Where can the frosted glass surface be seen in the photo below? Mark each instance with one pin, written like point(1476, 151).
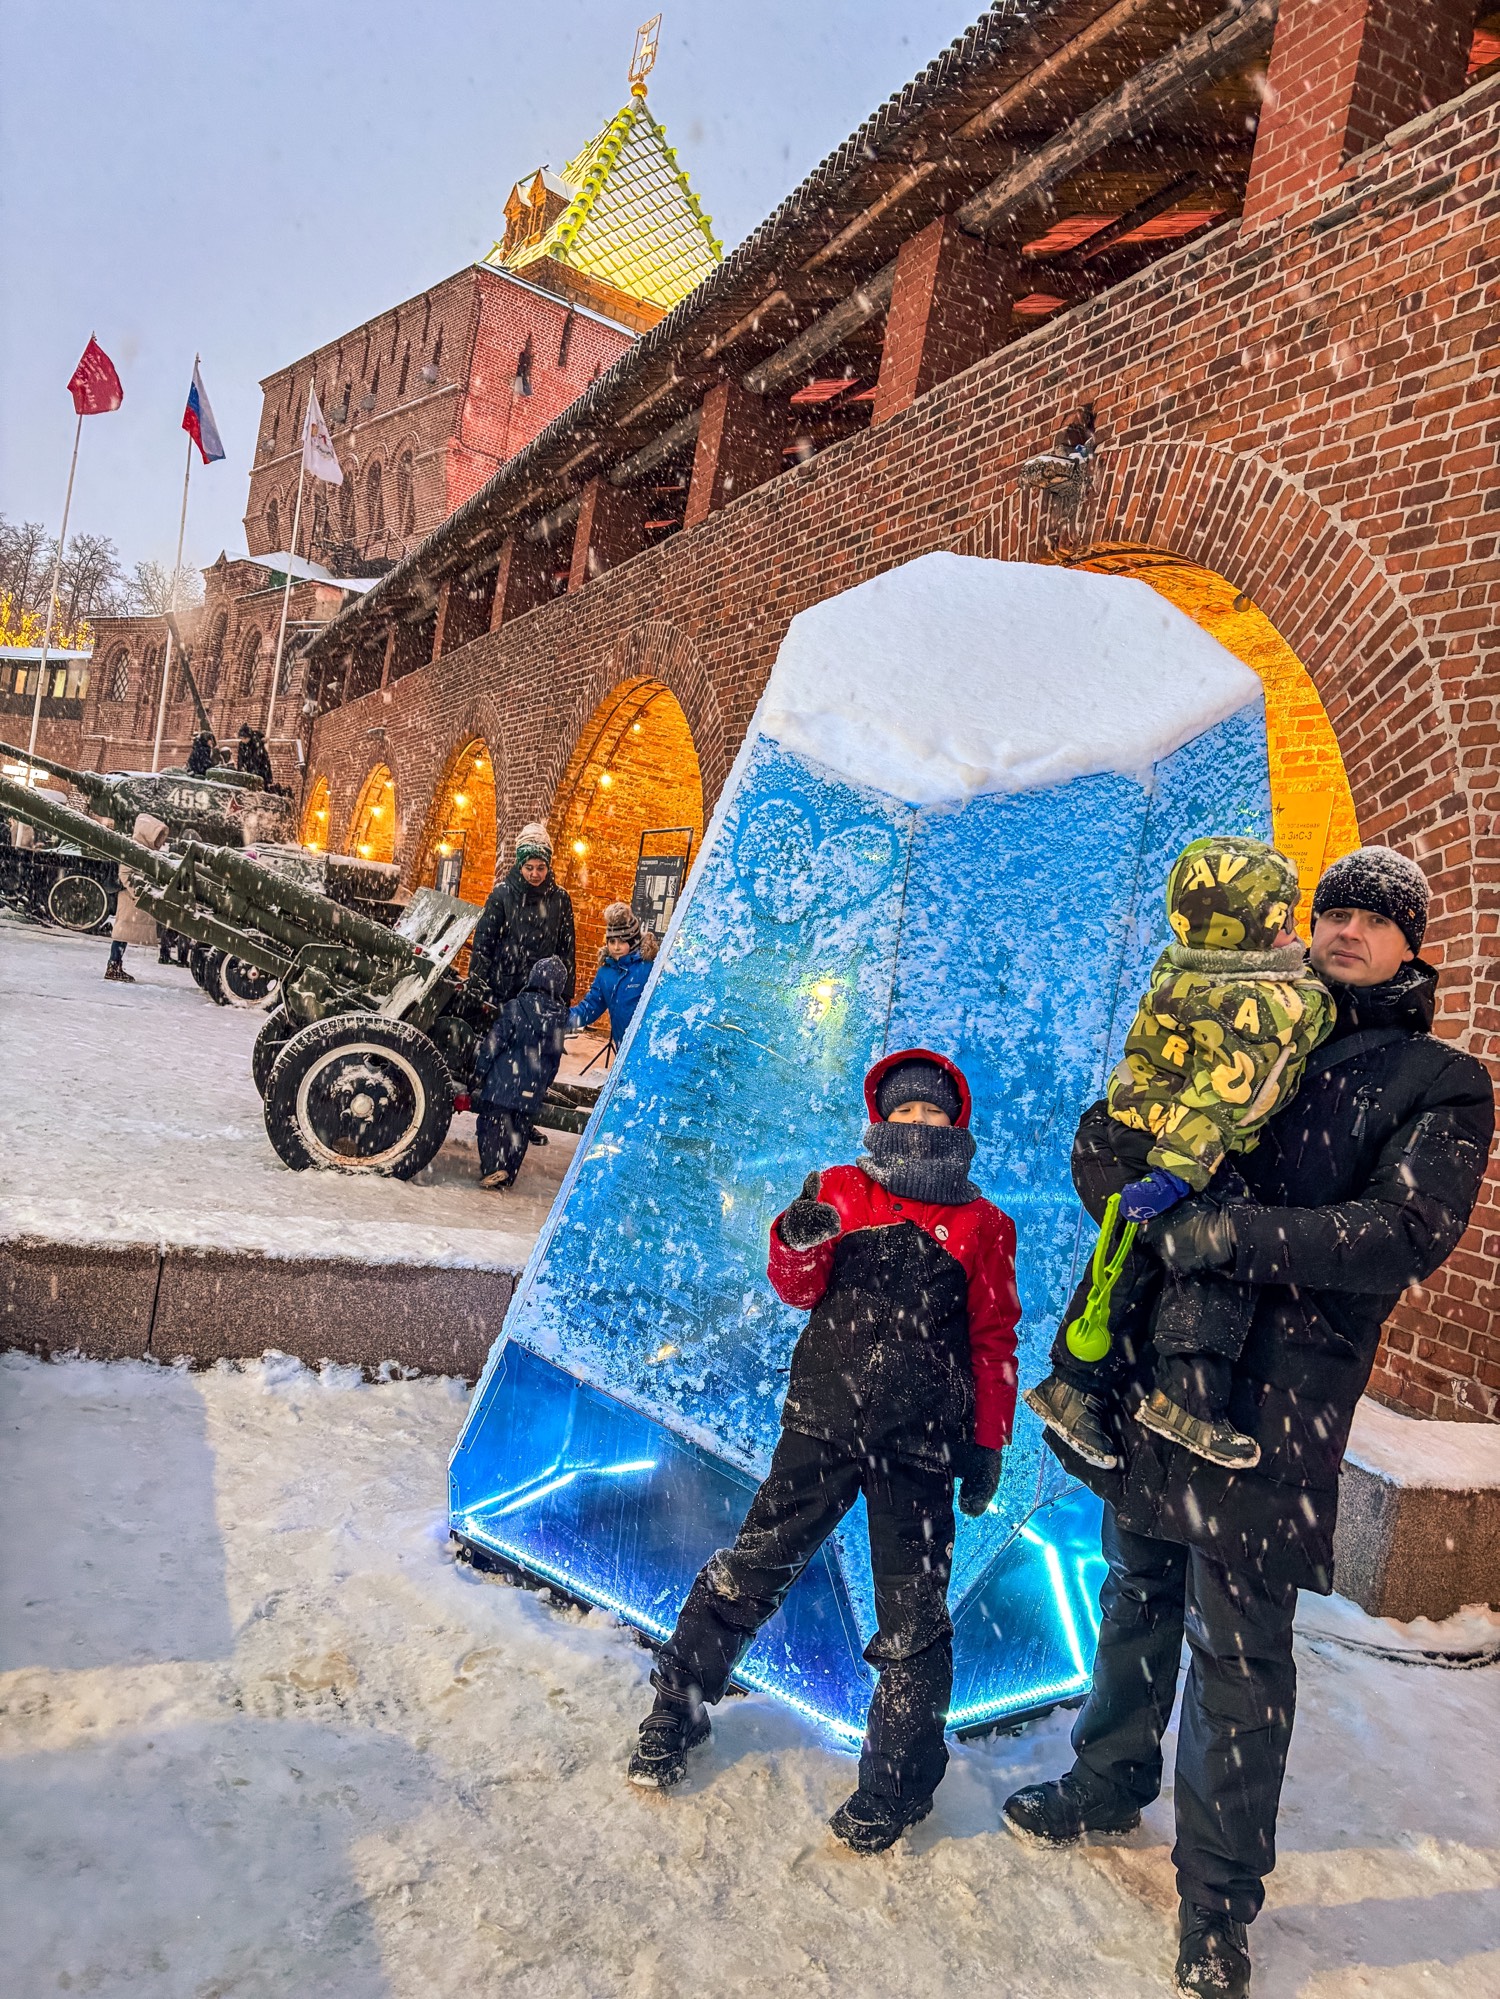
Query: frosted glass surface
point(826, 923)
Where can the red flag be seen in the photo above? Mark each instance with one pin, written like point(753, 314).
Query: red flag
point(95, 385)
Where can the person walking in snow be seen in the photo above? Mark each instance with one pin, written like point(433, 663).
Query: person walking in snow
point(622, 974)
point(1361, 1186)
point(131, 924)
point(902, 1380)
point(514, 1066)
point(1218, 1045)
point(526, 918)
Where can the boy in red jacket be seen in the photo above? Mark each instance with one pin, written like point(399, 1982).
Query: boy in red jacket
point(903, 1379)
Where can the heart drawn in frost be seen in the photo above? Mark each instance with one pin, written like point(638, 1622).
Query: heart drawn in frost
point(789, 871)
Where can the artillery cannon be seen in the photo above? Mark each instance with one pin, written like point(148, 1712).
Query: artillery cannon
point(226, 808)
point(356, 1065)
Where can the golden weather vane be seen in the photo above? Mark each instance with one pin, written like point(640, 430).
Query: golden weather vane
point(644, 59)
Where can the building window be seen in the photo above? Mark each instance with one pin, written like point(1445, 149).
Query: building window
point(523, 370)
point(565, 338)
point(249, 663)
point(374, 501)
point(273, 526)
point(117, 678)
point(406, 493)
point(346, 511)
point(405, 371)
point(375, 382)
point(437, 349)
point(213, 655)
point(395, 333)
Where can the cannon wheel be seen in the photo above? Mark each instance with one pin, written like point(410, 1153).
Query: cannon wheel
point(238, 983)
point(197, 958)
point(360, 1094)
point(77, 902)
point(274, 1035)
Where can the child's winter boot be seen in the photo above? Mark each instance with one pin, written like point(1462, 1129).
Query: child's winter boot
point(1075, 1417)
point(1217, 1441)
point(869, 1824)
point(674, 1726)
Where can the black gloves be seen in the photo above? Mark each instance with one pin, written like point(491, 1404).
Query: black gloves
point(978, 1469)
point(1196, 1236)
point(809, 1221)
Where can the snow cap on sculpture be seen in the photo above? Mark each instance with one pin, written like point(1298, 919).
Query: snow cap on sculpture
point(939, 681)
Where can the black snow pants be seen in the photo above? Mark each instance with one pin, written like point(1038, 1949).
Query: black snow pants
point(810, 1487)
point(503, 1139)
point(1237, 1709)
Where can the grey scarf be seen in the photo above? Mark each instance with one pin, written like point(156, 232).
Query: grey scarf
point(921, 1162)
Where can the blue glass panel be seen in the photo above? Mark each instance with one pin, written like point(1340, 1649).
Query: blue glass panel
point(825, 924)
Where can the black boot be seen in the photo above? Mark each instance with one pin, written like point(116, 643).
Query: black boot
point(673, 1727)
point(1077, 1418)
point(1217, 1441)
point(1060, 1814)
point(1213, 1958)
point(869, 1824)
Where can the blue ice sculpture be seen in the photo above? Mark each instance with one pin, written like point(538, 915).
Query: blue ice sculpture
point(950, 825)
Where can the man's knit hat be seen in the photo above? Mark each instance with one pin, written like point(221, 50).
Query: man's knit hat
point(533, 844)
point(918, 1082)
point(1378, 879)
point(621, 924)
point(1227, 893)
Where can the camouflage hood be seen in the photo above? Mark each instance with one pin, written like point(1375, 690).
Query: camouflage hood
point(1229, 894)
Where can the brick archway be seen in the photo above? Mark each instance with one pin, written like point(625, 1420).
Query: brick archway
point(1378, 676)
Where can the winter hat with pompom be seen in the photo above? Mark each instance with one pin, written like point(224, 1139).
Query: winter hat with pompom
point(621, 924)
point(533, 844)
point(1378, 879)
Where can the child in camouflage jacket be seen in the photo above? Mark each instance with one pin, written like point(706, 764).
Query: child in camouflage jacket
point(1219, 1045)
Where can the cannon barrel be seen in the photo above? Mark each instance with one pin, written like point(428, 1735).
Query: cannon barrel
point(89, 782)
point(21, 802)
point(272, 895)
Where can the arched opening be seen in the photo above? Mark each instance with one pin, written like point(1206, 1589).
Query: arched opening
point(374, 501)
point(249, 663)
point(315, 817)
point(117, 675)
point(372, 830)
point(1312, 806)
point(459, 846)
point(634, 771)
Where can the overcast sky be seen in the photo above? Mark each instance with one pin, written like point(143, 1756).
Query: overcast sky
point(250, 178)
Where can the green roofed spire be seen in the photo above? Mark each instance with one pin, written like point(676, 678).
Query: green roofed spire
point(622, 214)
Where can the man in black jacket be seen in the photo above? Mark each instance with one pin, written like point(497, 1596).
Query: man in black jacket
point(1361, 1186)
point(527, 918)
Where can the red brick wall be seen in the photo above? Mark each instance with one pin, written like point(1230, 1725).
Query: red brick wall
point(1307, 409)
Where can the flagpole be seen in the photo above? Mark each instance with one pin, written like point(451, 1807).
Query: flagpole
point(166, 665)
point(62, 542)
point(286, 595)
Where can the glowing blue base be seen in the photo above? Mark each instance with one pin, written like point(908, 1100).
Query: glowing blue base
point(569, 1484)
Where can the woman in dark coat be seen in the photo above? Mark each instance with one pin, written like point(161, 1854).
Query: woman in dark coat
point(527, 918)
point(514, 1067)
point(1361, 1186)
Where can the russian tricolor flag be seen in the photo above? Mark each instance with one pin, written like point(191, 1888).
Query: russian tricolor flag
point(198, 421)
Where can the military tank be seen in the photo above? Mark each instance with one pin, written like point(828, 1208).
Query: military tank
point(224, 808)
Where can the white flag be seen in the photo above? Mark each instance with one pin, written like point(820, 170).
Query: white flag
point(318, 454)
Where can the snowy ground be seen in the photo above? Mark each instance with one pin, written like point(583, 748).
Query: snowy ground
point(261, 1737)
point(128, 1115)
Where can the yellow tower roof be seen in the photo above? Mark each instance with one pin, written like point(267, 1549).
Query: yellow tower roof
point(622, 213)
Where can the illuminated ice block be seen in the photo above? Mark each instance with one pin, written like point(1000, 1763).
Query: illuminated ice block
point(950, 825)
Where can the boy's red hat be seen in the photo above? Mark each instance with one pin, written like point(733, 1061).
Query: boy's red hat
point(949, 1069)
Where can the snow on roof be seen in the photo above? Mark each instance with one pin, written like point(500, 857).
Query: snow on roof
point(954, 675)
point(310, 572)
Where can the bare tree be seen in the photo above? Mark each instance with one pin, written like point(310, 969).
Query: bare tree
point(92, 584)
point(150, 591)
point(25, 557)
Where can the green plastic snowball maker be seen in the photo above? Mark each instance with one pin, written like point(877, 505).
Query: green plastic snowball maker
point(1088, 1336)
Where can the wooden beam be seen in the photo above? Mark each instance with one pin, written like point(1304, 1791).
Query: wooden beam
point(1223, 45)
point(863, 304)
point(1167, 196)
point(684, 431)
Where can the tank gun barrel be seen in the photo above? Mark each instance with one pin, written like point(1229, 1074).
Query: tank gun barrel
point(89, 782)
point(20, 801)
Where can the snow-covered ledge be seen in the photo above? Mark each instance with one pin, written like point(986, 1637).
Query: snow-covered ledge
point(1419, 1515)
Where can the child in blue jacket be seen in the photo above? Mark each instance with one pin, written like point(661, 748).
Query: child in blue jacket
point(622, 974)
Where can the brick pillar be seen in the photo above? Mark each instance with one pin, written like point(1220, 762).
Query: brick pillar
point(740, 438)
point(1343, 73)
point(950, 306)
point(611, 528)
point(522, 581)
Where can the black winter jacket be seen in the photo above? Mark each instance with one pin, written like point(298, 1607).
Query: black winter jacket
point(1361, 1186)
point(518, 1058)
point(520, 926)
